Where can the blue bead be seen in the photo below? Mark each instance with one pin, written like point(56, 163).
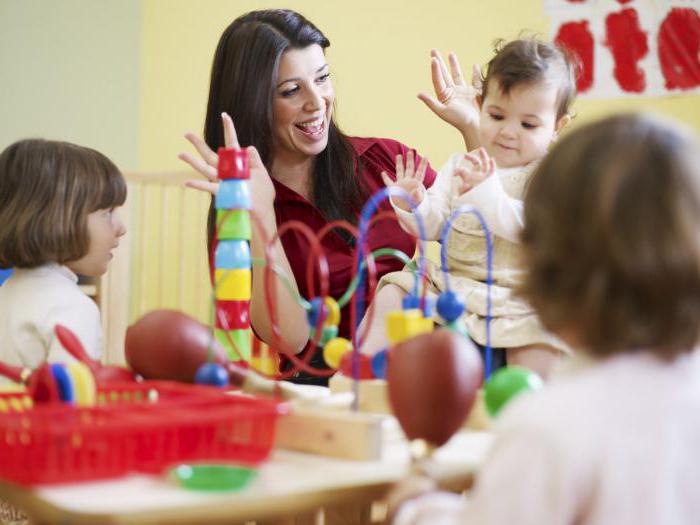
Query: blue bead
point(314, 310)
point(211, 374)
point(64, 382)
point(233, 195)
point(232, 254)
point(450, 306)
point(410, 302)
point(379, 364)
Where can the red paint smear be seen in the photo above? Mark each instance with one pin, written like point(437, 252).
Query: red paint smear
point(576, 37)
point(628, 45)
point(679, 42)
point(624, 1)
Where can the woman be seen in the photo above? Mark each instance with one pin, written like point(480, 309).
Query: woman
point(271, 78)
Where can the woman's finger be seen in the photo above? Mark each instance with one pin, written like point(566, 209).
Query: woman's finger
point(443, 68)
point(200, 166)
point(230, 136)
point(203, 185)
point(204, 151)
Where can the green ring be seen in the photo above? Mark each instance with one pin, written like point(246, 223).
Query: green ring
point(212, 477)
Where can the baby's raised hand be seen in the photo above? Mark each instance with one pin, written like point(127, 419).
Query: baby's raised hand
point(408, 179)
point(455, 101)
point(479, 166)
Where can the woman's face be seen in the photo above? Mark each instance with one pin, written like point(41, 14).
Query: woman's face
point(302, 104)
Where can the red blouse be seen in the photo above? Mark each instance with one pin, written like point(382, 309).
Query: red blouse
point(377, 155)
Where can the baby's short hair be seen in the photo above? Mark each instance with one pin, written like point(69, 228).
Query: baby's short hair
point(528, 61)
point(47, 190)
point(612, 236)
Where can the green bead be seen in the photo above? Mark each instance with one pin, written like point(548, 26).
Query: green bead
point(459, 327)
point(506, 384)
point(233, 224)
point(329, 332)
point(241, 338)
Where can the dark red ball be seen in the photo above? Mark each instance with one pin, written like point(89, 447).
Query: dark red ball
point(433, 380)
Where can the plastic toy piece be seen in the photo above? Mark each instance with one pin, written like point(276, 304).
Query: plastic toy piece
point(333, 309)
point(213, 477)
point(411, 302)
point(42, 385)
point(314, 311)
point(233, 164)
point(233, 224)
point(240, 338)
point(233, 285)
point(506, 384)
point(84, 387)
point(365, 366)
point(328, 333)
point(450, 306)
point(232, 254)
point(233, 194)
point(235, 315)
point(63, 381)
point(334, 350)
point(404, 324)
point(211, 374)
point(379, 363)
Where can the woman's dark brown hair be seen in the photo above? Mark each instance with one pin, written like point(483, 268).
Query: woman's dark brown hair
point(612, 237)
point(47, 190)
point(243, 80)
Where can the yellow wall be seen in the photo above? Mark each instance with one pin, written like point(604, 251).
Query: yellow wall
point(379, 58)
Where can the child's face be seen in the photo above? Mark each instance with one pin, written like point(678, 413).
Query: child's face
point(104, 228)
point(518, 128)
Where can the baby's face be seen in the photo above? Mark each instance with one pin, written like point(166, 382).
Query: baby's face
point(518, 128)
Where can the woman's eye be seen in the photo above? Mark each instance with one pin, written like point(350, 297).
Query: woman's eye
point(290, 92)
point(323, 78)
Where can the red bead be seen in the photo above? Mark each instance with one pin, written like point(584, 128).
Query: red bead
point(233, 164)
point(365, 366)
point(235, 314)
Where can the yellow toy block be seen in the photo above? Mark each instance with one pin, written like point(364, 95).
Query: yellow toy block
point(233, 285)
point(404, 324)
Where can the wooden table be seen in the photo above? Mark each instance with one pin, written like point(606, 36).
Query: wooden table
point(288, 484)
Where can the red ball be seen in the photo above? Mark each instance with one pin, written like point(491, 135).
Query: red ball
point(433, 379)
point(167, 344)
point(365, 366)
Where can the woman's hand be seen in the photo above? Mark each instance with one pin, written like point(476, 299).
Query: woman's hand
point(481, 166)
point(455, 102)
point(408, 179)
point(206, 164)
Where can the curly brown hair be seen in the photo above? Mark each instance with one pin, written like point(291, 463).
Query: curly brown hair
point(612, 237)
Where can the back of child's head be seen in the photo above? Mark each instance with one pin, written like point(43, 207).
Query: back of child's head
point(612, 237)
point(528, 61)
point(47, 190)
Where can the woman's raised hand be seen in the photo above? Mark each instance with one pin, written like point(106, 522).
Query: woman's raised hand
point(206, 164)
point(408, 179)
point(480, 166)
point(455, 102)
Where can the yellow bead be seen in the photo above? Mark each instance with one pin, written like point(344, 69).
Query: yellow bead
point(233, 285)
point(333, 310)
point(335, 349)
point(404, 324)
point(83, 384)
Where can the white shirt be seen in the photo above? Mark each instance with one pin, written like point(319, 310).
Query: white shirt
point(617, 443)
point(502, 213)
point(32, 302)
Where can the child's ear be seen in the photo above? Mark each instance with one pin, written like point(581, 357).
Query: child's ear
point(479, 100)
point(561, 124)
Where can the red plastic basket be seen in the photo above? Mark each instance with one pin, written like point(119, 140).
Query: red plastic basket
point(136, 427)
